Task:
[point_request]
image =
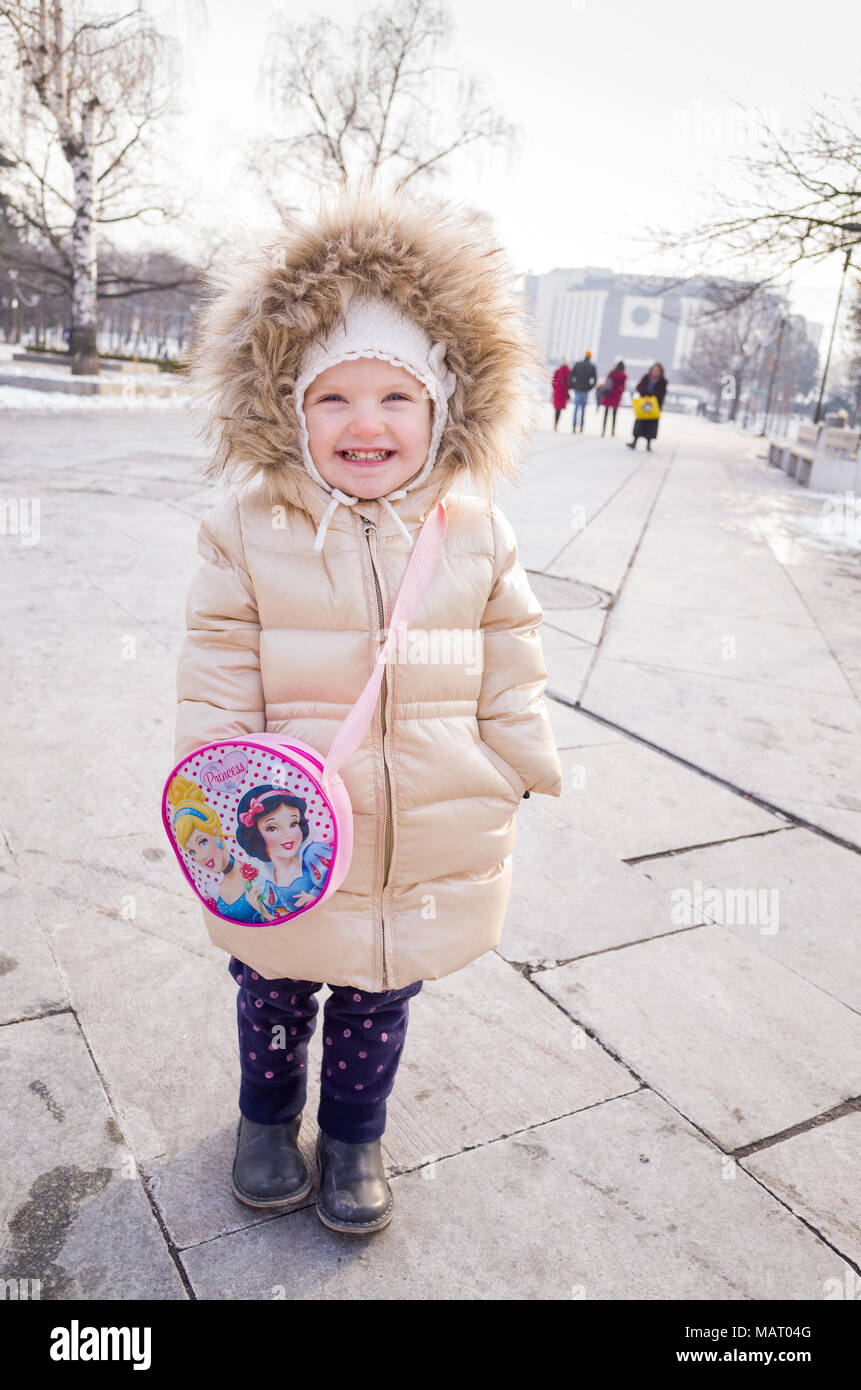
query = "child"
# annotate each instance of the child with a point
(356, 369)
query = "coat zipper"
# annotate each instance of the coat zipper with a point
(370, 526)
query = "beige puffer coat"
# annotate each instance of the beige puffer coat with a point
(282, 638)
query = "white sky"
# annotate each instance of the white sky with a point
(626, 112)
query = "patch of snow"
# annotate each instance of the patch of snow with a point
(20, 398)
(48, 369)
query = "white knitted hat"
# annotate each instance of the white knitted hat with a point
(375, 328)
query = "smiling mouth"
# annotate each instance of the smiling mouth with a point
(210, 863)
(365, 456)
(288, 844)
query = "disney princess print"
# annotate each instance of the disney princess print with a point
(254, 834)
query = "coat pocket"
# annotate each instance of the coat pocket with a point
(510, 775)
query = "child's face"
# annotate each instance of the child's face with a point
(368, 405)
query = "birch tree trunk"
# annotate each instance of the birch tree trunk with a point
(83, 347)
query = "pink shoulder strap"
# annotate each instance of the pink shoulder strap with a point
(422, 563)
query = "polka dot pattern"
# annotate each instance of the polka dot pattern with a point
(362, 1042)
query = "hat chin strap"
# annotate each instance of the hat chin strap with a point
(343, 499)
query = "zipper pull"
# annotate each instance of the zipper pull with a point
(369, 525)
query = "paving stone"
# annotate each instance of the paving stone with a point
(799, 750)
(841, 817)
(600, 552)
(486, 1054)
(75, 1214)
(740, 1044)
(632, 800)
(571, 729)
(771, 598)
(583, 900)
(623, 1200)
(830, 595)
(805, 912)
(29, 983)
(567, 660)
(733, 646)
(818, 1175)
(160, 1020)
(587, 624)
(559, 467)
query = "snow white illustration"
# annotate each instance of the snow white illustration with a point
(198, 831)
(271, 827)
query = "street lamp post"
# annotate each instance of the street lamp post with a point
(774, 366)
(848, 227)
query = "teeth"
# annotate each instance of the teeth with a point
(365, 453)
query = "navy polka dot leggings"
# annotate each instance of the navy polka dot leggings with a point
(363, 1044)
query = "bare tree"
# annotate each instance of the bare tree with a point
(797, 366)
(852, 366)
(90, 90)
(370, 99)
(731, 338)
(752, 351)
(802, 199)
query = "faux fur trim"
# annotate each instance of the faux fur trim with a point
(434, 261)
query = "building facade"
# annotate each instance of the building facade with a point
(642, 319)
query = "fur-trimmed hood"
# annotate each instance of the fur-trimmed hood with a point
(435, 262)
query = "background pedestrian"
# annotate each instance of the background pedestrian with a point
(583, 378)
(652, 383)
(561, 380)
(611, 395)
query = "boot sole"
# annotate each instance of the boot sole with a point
(263, 1205)
(353, 1228)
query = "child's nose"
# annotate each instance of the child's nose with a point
(367, 423)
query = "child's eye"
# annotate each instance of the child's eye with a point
(398, 395)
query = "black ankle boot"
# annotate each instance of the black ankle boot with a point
(354, 1195)
(269, 1170)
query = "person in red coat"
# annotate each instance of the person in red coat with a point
(611, 394)
(561, 380)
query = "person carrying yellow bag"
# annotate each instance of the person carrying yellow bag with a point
(647, 402)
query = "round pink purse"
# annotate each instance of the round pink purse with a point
(262, 824)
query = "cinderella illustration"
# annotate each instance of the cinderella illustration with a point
(272, 828)
(197, 829)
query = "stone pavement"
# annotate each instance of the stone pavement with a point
(649, 1091)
